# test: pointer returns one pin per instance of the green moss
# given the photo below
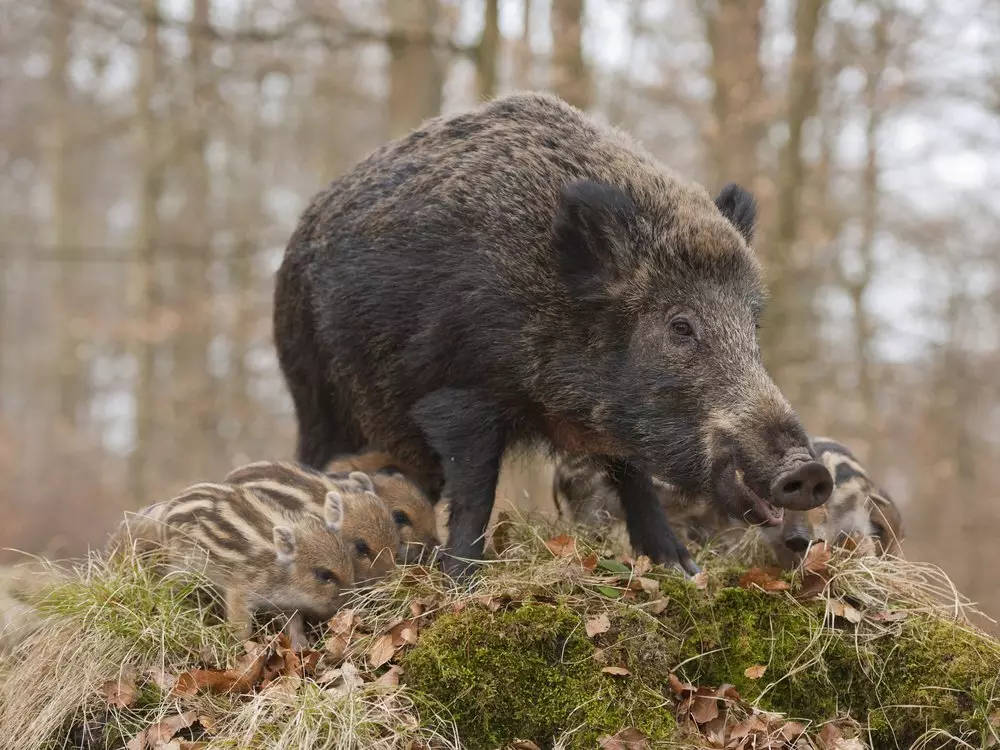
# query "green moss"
(527, 673)
(125, 600)
(931, 675)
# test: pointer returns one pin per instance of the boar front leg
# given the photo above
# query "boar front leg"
(466, 431)
(239, 613)
(648, 529)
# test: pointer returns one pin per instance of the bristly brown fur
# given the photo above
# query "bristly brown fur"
(367, 527)
(521, 274)
(261, 554)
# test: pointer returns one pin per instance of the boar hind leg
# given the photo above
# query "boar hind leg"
(325, 427)
(648, 528)
(466, 431)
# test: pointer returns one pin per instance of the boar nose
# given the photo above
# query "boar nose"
(802, 488)
(797, 542)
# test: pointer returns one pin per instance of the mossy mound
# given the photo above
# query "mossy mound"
(526, 673)
(559, 643)
(531, 672)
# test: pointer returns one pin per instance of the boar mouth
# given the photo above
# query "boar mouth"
(763, 511)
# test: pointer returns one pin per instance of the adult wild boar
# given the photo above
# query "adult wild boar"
(521, 273)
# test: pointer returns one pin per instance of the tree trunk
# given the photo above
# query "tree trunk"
(789, 338)
(142, 303)
(570, 77)
(416, 72)
(488, 51)
(196, 402)
(524, 61)
(734, 34)
(870, 211)
(68, 377)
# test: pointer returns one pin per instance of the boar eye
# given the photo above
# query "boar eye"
(400, 518)
(324, 575)
(362, 548)
(681, 327)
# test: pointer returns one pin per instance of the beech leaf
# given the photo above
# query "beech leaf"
(617, 671)
(598, 625)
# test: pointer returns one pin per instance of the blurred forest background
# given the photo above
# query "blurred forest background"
(155, 156)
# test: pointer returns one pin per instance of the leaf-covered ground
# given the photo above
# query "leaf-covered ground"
(563, 641)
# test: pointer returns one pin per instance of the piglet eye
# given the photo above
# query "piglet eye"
(681, 327)
(323, 575)
(400, 518)
(362, 548)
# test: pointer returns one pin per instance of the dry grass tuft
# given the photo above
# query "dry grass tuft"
(113, 620)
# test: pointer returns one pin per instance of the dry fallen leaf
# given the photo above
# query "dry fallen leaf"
(765, 578)
(890, 616)
(562, 545)
(828, 737)
(642, 565)
(849, 744)
(121, 693)
(755, 672)
(161, 678)
(817, 558)
(679, 687)
(404, 632)
(342, 627)
(649, 585)
(240, 679)
(390, 678)
(715, 731)
(812, 585)
(705, 706)
(792, 730)
(598, 625)
(284, 685)
(700, 580)
(342, 680)
(838, 608)
(524, 745)
(162, 732)
(627, 739)
(658, 606)
(618, 671)
(382, 651)
(208, 723)
(589, 562)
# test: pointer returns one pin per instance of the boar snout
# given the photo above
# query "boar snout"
(806, 486)
(795, 533)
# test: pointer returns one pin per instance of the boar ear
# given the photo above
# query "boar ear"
(284, 543)
(363, 479)
(740, 208)
(591, 229)
(333, 511)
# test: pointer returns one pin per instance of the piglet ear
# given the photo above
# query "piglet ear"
(363, 479)
(333, 511)
(284, 544)
(591, 231)
(740, 208)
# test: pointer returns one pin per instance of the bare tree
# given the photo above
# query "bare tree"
(196, 401)
(142, 302)
(416, 71)
(788, 338)
(569, 73)
(488, 51)
(68, 371)
(524, 59)
(733, 29)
